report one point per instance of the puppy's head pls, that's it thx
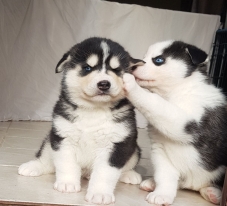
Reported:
(169, 62)
(93, 70)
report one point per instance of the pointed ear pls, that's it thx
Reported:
(61, 64)
(136, 62)
(197, 56)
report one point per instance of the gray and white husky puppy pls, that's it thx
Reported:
(94, 131)
(187, 121)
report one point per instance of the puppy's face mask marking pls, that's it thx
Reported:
(94, 68)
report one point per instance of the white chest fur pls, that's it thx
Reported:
(91, 130)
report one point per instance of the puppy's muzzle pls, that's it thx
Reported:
(103, 85)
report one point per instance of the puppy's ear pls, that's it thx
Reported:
(135, 63)
(197, 56)
(62, 63)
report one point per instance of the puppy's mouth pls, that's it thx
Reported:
(145, 83)
(102, 93)
(144, 80)
(98, 94)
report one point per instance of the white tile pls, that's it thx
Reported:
(15, 157)
(27, 133)
(4, 124)
(3, 131)
(1, 140)
(22, 143)
(45, 126)
(18, 188)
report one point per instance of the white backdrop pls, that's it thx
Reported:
(34, 34)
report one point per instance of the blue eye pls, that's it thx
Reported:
(87, 68)
(158, 60)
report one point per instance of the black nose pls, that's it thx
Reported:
(103, 85)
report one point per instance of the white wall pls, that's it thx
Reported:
(34, 34)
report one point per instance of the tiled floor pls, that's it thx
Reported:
(18, 143)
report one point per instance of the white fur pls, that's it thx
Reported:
(114, 62)
(92, 60)
(169, 102)
(105, 49)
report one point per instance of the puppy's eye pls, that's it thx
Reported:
(158, 61)
(87, 68)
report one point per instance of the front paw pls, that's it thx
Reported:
(67, 186)
(148, 185)
(159, 199)
(131, 177)
(129, 82)
(100, 198)
(31, 168)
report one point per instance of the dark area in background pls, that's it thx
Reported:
(217, 7)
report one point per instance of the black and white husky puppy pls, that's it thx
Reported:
(94, 128)
(188, 121)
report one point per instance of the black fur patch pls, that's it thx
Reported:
(124, 150)
(39, 153)
(178, 50)
(63, 108)
(128, 115)
(55, 139)
(120, 104)
(219, 181)
(210, 137)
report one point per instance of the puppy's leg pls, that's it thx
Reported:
(166, 179)
(128, 175)
(68, 172)
(211, 194)
(42, 165)
(131, 177)
(159, 112)
(103, 181)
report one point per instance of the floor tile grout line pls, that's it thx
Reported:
(5, 165)
(9, 126)
(38, 130)
(4, 137)
(40, 137)
(19, 148)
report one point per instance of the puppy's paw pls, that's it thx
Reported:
(211, 194)
(159, 199)
(129, 82)
(131, 177)
(100, 198)
(67, 187)
(32, 168)
(148, 185)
